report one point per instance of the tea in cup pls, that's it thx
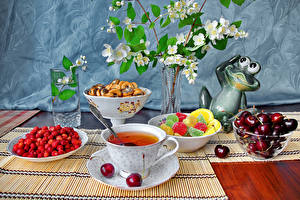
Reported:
(139, 151)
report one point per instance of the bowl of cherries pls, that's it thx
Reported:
(263, 135)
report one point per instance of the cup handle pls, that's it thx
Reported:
(169, 153)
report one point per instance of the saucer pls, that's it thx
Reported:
(159, 173)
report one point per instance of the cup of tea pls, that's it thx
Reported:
(139, 151)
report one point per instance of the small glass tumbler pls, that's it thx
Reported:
(65, 98)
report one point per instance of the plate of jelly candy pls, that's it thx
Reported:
(200, 122)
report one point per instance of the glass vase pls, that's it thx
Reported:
(65, 99)
(171, 89)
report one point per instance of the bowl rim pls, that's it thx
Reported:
(252, 134)
(148, 92)
(184, 137)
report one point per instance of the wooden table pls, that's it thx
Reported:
(244, 180)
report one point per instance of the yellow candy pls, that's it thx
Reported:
(207, 114)
(190, 121)
(212, 127)
(167, 129)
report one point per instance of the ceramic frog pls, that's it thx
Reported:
(236, 76)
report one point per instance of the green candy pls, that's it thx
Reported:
(173, 118)
(201, 119)
(195, 132)
(170, 123)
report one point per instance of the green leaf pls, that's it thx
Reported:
(166, 23)
(66, 94)
(154, 62)
(199, 54)
(221, 44)
(162, 44)
(115, 20)
(119, 31)
(130, 11)
(238, 2)
(138, 34)
(141, 69)
(145, 18)
(172, 3)
(151, 26)
(66, 63)
(138, 47)
(155, 10)
(125, 66)
(225, 3)
(54, 90)
(172, 41)
(110, 63)
(128, 35)
(187, 21)
(161, 21)
(237, 23)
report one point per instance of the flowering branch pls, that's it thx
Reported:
(181, 52)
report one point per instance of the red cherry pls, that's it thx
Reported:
(261, 145)
(264, 129)
(276, 118)
(245, 114)
(251, 148)
(221, 151)
(251, 121)
(263, 118)
(290, 124)
(107, 170)
(239, 121)
(134, 180)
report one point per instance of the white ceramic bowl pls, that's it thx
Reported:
(117, 109)
(83, 137)
(186, 144)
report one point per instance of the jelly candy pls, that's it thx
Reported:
(190, 121)
(201, 126)
(212, 127)
(201, 119)
(181, 116)
(170, 123)
(174, 118)
(167, 129)
(195, 132)
(180, 128)
(207, 114)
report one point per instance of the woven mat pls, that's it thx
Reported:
(69, 178)
(10, 119)
(291, 152)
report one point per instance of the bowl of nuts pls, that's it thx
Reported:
(118, 100)
(263, 135)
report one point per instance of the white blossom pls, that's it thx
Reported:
(108, 51)
(199, 40)
(180, 38)
(127, 20)
(172, 49)
(65, 80)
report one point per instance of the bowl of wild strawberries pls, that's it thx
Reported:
(44, 144)
(263, 135)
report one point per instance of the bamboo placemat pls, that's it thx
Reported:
(69, 178)
(10, 119)
(291, 152)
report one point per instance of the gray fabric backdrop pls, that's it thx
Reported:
(35, 34)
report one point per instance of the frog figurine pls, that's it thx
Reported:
(236, 76)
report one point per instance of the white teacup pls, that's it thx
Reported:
(138, 159)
